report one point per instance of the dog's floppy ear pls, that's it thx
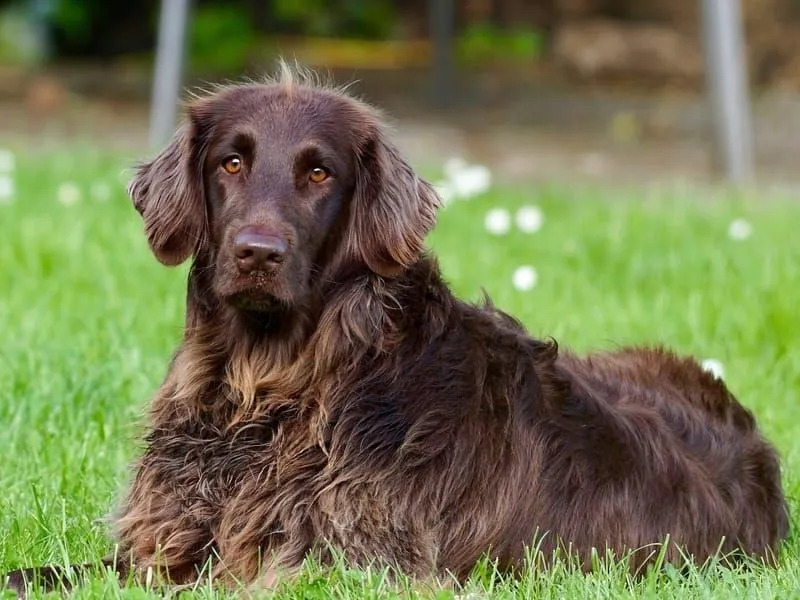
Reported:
(392, 209)
(168, 193)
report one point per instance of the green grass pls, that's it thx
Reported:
(88, 320)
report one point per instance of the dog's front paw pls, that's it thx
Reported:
(15, 581)
(42, 578)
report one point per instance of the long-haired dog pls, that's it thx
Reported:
(331, 394)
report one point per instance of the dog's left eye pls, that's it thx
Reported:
(318, 175)
(232, 164)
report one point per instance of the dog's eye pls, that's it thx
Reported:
(318, 175)
(232, 164)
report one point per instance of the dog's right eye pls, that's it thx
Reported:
(232, 164)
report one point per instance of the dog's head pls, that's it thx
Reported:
(277, 185)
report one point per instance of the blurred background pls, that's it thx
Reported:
(533, 89)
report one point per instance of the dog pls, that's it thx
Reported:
(331, 397)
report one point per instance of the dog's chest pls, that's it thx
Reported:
(206, 465)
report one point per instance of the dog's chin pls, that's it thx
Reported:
(260, 295)
(258, 302)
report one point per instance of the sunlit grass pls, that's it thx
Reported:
(88, 320)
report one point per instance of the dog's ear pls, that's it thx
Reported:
(392, 209)
(168, 193)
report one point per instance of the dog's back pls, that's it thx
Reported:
(654, 446)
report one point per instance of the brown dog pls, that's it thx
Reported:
(331, 393)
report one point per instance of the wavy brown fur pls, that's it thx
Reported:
(373, 413)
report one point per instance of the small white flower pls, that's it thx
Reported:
(69, 193)
(6, 189)
(713, 366)
(471, 181)
(529, 219)
(445, 192)
(453, 165)
(497, 221)
(100, 191)
(6, 161)
(739, 229)
(464, 180)
(524, 278)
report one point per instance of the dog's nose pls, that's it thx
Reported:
(258, 251)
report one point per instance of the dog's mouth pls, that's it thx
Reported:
(262, 292)
(256, 301)
(259, 295)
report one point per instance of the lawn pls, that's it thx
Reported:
(88, 320)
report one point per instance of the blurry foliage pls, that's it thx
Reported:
(73, 20)
(220, 39)
(225, 36)
(484, 41)
(92, 27)
(222, 34)
(21, 37)
(223, 39)
(369, 19)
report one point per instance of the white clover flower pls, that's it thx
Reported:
(6, 189)
(529, 219)
(445, 192)
(471, 181)
(453, 165)
(713, 366)
(464, 180)
(524, 278)
(69, 193)
(6, 161)
(497, 221)
(740, 229)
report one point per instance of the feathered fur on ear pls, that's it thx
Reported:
(168, 193)
(392, 209)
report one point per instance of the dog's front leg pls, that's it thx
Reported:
(51, 578)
